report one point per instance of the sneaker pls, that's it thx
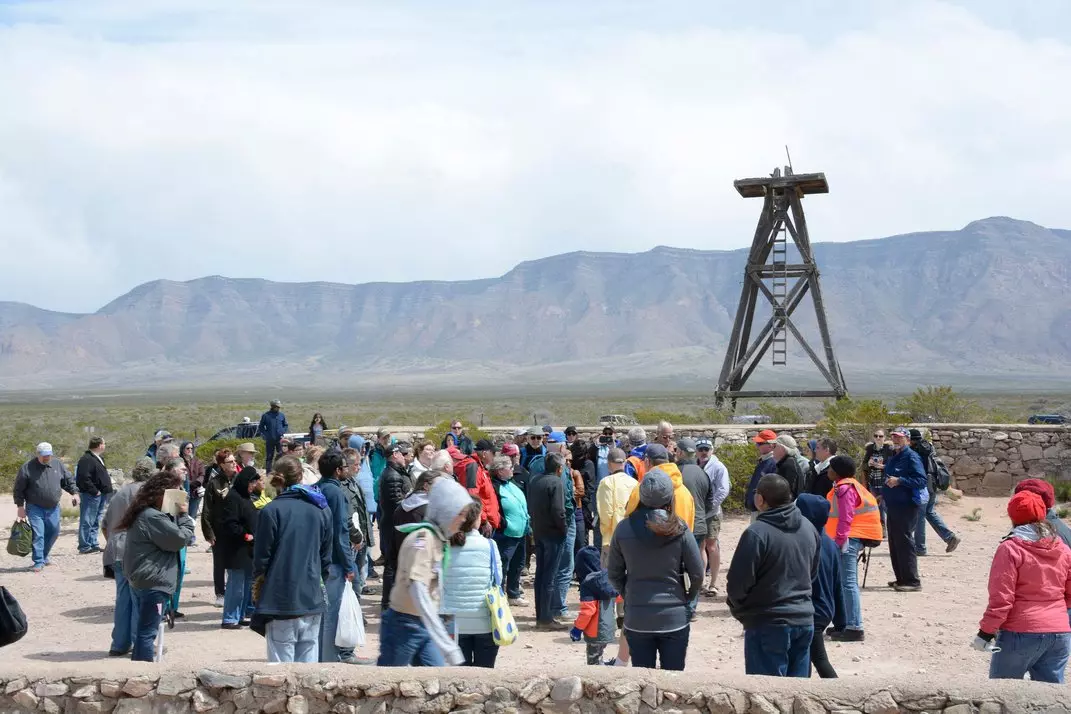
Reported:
(178, 615)
(37, 568)
(368, 590)
(231, 626)
(893, 584)
(362, 661)
(612, 662)
(117, 653)
(373, 575)
(553, 624)
(907, 588)
(518, 602)
(694, 617)
(218, 602)
(952, 544)
(921, 554)
(847, 635)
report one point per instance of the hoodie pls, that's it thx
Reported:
(1029, 585)
(771, 575)
(648, 570)
(826, 590)
(683, 503)
(291, 553)
(597, 616)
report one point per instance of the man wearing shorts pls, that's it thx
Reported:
(720, 485)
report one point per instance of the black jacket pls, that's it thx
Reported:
(394, 484)
(926, 453)
(91, 476)
(238, 517)
(788, 468)
(216, 489)
(546, 506)
(521, 477)
(771, 575)
(820, 484)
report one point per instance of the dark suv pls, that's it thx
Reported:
(245, 430)
(1047, 419)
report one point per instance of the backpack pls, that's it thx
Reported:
(941, 477)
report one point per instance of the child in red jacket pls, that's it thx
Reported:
(1029, 596)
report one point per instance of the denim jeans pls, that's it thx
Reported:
(294, 640)
(649, 648)
(404, 641)
(335, 584)
(849, 584)
(152, 604)
(45, 523)
(565, 568)
(512, 552)
(548, 555)
(929, 515)
(89, 508)
(125, 620)
(238, 596)
(181, 577)
(778, 650)
(479, 650)
(1043, 655)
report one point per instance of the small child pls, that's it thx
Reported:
(596, 621)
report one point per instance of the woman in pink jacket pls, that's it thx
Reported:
(1029, 596)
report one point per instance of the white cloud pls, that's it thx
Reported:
(335, 142)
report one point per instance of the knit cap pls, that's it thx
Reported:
(1041, 488)
(656, 489)
(446, 500)
(1026, 507)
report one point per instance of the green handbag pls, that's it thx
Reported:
(20, 542)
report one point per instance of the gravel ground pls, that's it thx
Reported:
(70, 606)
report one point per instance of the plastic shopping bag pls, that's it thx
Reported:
(20, 542)
(350, 632)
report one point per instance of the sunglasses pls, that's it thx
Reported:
(456, 426)
(879, 436)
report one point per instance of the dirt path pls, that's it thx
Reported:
(70, 608)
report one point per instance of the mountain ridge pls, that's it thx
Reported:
(954, 299)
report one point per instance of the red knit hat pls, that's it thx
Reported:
(1026, 507)
(1041, 488)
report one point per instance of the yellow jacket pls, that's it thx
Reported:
(610, 501)
(683, 505)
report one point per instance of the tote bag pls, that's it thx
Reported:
(503, 627)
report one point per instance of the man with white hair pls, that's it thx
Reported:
(162, 436)
(37, 494)
(788, 467)
(665, 435)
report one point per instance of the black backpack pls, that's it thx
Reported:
(942, 479)
(13, 624)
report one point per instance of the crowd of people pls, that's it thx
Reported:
(633, 524)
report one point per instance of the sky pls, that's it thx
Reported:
(305, 140)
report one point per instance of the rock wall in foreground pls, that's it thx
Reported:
(306, 690)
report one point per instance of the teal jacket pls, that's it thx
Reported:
(514, 508)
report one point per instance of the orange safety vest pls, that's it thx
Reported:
(866, 525)
(640, 466)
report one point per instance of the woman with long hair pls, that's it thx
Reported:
(316, 429)
(195, 478)
(1025, 625)
(474, 561)
(650, 553)
(151, 556)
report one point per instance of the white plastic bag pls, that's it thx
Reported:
(350, 632)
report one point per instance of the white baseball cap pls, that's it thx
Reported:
(44, 449)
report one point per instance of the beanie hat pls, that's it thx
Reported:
(656, 489)
(446, 500)
(1026, 507)
(1041, 488)
(356, 442)
(843, 466)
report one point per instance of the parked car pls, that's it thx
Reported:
(244, 430)
(750, 419)
(1047, 419)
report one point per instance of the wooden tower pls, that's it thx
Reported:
(768, 273)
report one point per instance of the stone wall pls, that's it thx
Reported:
(313, 689)
(985, 459)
